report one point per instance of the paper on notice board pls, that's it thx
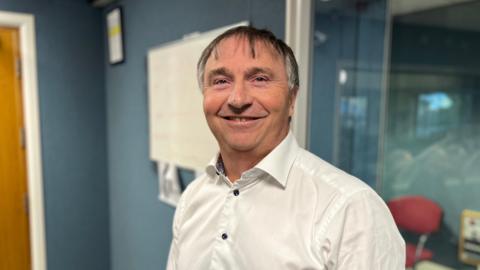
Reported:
(114, 23)
(168, 183)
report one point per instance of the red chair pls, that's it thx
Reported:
(418, 215)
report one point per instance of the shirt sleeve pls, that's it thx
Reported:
(177, 219)
(363, 236)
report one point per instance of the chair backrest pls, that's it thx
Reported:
(416, 214)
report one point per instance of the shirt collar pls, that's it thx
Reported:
(213, 166)
(277, 163)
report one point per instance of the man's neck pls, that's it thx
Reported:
(237, 163)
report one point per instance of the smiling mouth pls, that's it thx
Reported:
(240, 119)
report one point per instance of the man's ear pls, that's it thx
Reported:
(292, 98)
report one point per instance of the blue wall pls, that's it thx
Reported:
(99, 218)
(140, 224)
(72, 114)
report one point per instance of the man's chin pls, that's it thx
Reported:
(241, 147)
(239, 144)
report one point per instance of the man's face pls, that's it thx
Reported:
(246, 99)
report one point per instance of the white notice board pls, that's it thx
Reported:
(178, 131)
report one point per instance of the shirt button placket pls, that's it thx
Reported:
(224, 226)
(236, 193)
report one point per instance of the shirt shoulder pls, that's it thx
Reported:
(335, 192)
(346, 209)
(326, 177)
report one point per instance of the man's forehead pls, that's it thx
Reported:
(240, 44)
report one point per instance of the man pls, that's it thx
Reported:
(264, 202)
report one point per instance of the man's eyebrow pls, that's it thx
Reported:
(218, 71)
(256, 70)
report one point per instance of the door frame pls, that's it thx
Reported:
(25, 23)
(298, 28)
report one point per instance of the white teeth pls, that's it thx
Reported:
(240, 119)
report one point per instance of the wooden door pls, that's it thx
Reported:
(14, 226)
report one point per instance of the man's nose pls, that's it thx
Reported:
(240, 97)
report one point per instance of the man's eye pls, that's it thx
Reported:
(261, 79)
(220, 81)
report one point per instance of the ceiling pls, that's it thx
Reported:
(402, 7)
(460, 15)
(452, 14)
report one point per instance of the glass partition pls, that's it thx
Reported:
(346, 95)
(432, 137)
(395, 101)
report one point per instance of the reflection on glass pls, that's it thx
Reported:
(432, 139)
(348, 51)
(434, 114)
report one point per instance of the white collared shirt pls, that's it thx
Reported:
(291, 211)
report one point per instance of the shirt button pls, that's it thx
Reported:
(224, 236)
(236, 192)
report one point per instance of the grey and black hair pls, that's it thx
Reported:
(253, 35)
